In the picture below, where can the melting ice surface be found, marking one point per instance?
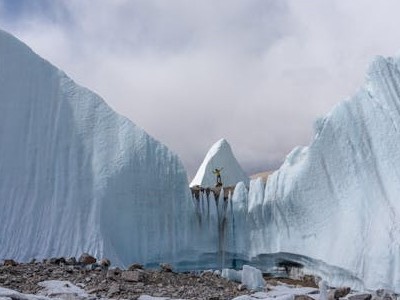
(76, 176)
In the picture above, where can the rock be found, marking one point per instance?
(10, 262)
(241, 287)
(54, 261)
(331, 295)
(113, 273)
(166, 267)
(360, 296)
(341, 292)
(71, 261)
(383, 294)
(114, 289)
(105, 263)
(133, 276)
(87, 259)
(95, 290)
(135, 266)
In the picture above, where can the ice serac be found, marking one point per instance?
(220, 156)
(337, 201)
(77, 177)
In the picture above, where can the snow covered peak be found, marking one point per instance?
(220, 156)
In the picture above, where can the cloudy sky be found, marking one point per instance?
(257, 72)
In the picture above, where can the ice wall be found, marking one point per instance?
(334, 205)
(338, 200)
(75, 176)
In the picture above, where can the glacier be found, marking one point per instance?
(338, 199)
(78, 177)
(333, 207)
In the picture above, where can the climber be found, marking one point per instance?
(217, 172)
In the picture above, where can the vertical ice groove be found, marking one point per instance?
(78, 177)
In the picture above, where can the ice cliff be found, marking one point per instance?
(77, 177)
(338, 200)
(220, 156)
(333, 207)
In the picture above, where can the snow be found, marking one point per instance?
(77, 177)
(264, 296)
(283, 292)
(56, 289)
(11, 294)
(219, 156)
(61, 289)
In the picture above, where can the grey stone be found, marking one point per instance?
(135, 266)
(341, 292)
(166, 267)
(71, 261)
(133, 276)
(361, 296)
(10, 262)
(114, 289)
(105, 262)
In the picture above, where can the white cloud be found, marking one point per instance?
(255, 72)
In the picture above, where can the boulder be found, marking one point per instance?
(10, 262)
(341, 292)
(87, 259)
(71, 261)
(113, 273)
(359, 296)
(133, 276)
(105, 263)
(166, 267)
(135, 266)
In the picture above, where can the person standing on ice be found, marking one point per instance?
(217, 173)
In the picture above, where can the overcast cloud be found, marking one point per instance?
(256, 72)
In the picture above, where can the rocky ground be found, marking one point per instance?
(102, 281)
